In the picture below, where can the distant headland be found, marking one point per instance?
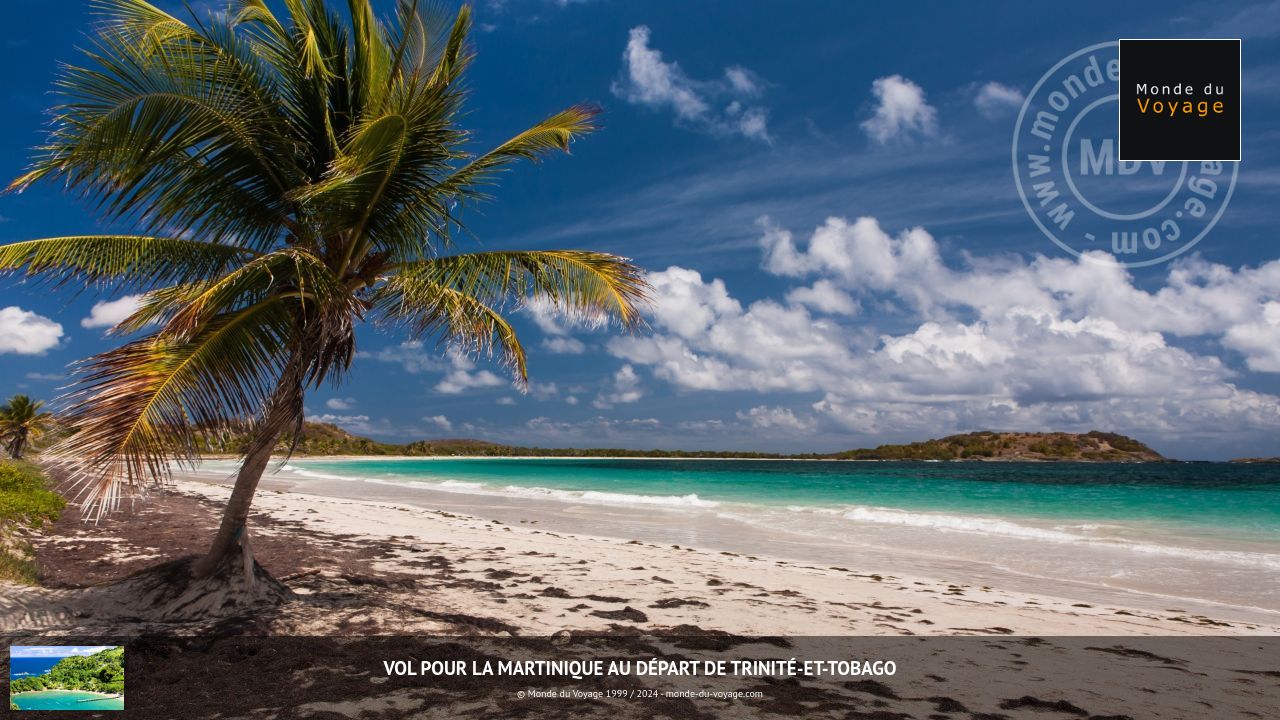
(320, 439)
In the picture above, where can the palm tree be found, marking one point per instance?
(21, 422)
(283, 181)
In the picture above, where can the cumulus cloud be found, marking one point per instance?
(440, 421)
(995, 101)
(340, 403)
(460, 371)
(411, 355)
(544, 391)
(764, 417)
(995, 342)
(23, 332)
(626, 389)
(901, 111)
(556, 324)
(353, 423)
(597, 430)
(1258, 339)
(824, 296)
(464, 376)
(111, 312)
(564, 346)
(720, 107)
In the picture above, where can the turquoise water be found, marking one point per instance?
(65, 700)
(1239, 502)
(1175, 533)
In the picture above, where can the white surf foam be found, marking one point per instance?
(594, 497)
(977, 525)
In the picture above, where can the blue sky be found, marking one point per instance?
(823, 196)
(26, 651)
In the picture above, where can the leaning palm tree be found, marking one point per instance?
(283, 178)
(21, 423)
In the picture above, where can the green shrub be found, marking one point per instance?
(25, 503)
(24, 499)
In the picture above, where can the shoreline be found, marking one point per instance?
(1151, 563)
(378, 565)
(375, 518)
(109, 696)
(1033, 461)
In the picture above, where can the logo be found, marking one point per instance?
(1080, 194)
(1180, 100)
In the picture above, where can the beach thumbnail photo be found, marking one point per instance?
(66, 677)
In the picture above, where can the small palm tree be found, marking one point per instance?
(285, 179)
(21, 423)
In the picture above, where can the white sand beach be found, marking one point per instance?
(542, 579)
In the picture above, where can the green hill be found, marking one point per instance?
(988, 445)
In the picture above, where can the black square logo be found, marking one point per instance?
(1179, 100)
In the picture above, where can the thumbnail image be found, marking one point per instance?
(66, 677)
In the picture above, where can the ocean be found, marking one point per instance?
(24, 666)
(1208, 531)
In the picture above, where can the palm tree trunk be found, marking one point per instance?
(281, 412)
(19, 444)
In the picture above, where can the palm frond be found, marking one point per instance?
(174, 129)
(579, 283)
(460, 297)
(289, 272)
(126, 261)
(555, 133)
(143, 405)
(455, 319)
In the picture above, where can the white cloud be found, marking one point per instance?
(556, 323)
(23, 332)
(411, 355)
(544, 391)
(775, 418)
(719, 107)
(1049, 343)
(626, 389)
(995, 101)
(110, 313)
(440, 421)
(824, 296)
(460, 372)
(595, 431)
(1258, 339)
(46, 377)
(901, 111)
(464, 376)
(506, 400)
(564, 346)
(742, 80)
(354, 423)
(340, 403)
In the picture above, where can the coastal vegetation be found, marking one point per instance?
(22, 421)
(26, 505)
(328, 439)
(1090, 446)
(101, 672)
(278, 180)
